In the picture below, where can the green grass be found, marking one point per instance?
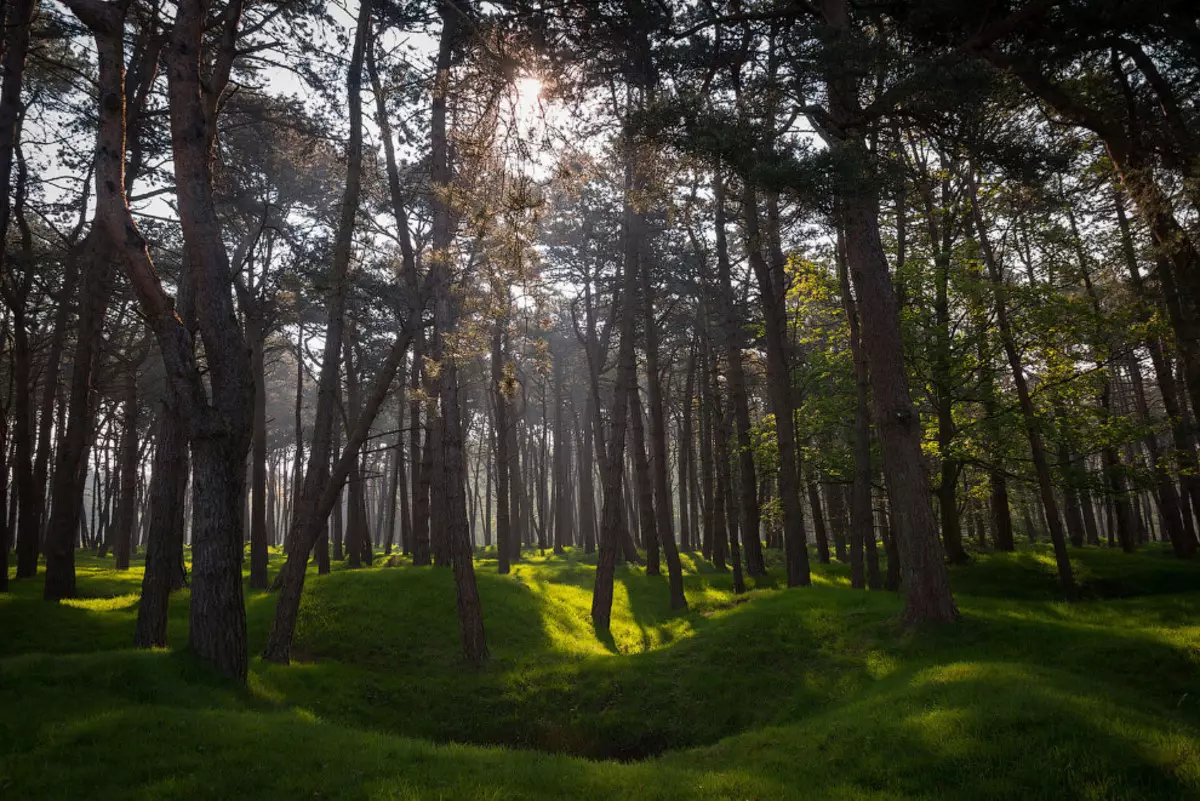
(812, 693)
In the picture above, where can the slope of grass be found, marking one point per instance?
(813, 693)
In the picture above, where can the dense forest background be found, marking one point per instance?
(772, 282)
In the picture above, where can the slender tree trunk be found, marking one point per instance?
(1041, 466)
(127, 505)
(862, 529)
(256, 333)
(612, 469)
(731, 330)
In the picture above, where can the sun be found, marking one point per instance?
(529, 89)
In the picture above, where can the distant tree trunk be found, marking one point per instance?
(707, 494)
(70, 462)
(500, 394)
(562, 462)
(5, 536)
(998, 508)
(862, 529)
(683, 455)
(127, 504)
(732, 334)
(836, 504)
(658, 447)
(421, 463)
(725, 495)
(1041, 467)
(612, 469)
(256, 333)
(818, 516)
(1184, 542)
(587, 489)
(647, 521)
(940, 230)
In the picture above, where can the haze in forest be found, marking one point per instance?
(599, 398)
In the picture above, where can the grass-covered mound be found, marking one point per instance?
(807, 693)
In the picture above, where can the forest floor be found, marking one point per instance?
(805, 693)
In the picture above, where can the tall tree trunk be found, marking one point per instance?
(647, 521)
(658, 447)
(612, 469)
(925, 579)
(1041, 466)
(256, 333)
(862, 528)
(501, 391)
(127, 504)
(773, 286)
(70, 462)
(732, 334)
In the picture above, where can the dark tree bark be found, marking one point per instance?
(457, 533)
(862, 529)
(127, 504)
(501, 390)
(658, 448)
(731, 337)
(647, 521)
(612, 469)
(926, 582)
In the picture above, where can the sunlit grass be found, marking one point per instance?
(813, 693)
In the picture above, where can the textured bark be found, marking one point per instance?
(925, 579)
(164, 541)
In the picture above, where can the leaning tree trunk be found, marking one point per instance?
(1041, 466)
(321, 489)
